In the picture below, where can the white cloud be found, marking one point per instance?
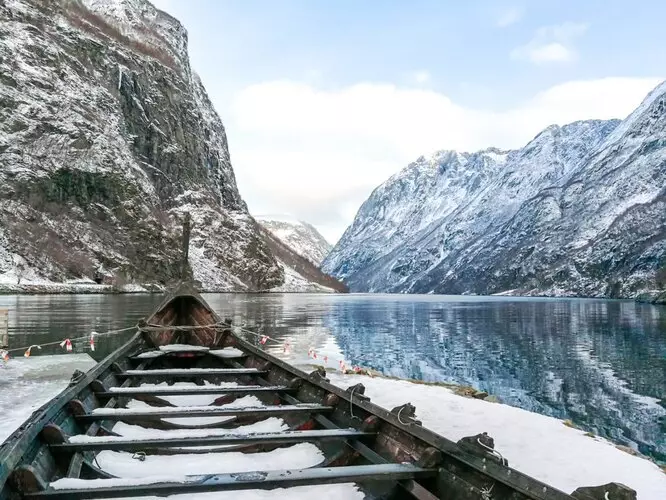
(421, 77)
(510, 16)
(551, 44)
(319, 153)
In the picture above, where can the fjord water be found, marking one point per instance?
(600, 363)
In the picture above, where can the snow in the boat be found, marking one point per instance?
(207, 399)
(244, 403)
(183, 348)
(190, 371)
(298, 456)
(164, 387)
(188, 399)
(130, 431)
(149, 355)
(227, 352)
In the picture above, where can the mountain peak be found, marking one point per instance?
(302, 237)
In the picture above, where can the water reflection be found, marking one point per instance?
(599, 363)
(48, 318)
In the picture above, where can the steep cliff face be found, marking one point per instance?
(106, 139)
(302, 237)
(577, 211)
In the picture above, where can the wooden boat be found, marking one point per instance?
(185, 349)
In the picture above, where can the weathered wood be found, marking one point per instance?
(612, 491)
(482, 445)
(265, 480)
(27, 480)
(75, 464)
(230, 439)
(204, 411)
(53, 434)
(193, 372)
(190, 391)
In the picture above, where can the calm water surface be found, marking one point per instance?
(600, 363)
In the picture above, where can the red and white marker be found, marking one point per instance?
(92, 341)
(29, 351)
(67, 344)
(4, 355)
(263, 339)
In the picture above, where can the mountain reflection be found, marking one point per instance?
(590, 361)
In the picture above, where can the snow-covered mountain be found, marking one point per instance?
(106, 139)
(580, 210)
(302, 237)
(301, 274)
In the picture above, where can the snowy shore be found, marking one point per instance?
(535, 444)
(291, 285)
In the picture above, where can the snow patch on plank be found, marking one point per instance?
(298, 456)
(227, 352)
(183, 348)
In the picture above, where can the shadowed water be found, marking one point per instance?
(600, 363)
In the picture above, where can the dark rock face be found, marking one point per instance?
(580, 210)
(106, 139)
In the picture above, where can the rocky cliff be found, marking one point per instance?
(580, 210)
(106, 138)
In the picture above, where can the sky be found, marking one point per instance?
(323, 101)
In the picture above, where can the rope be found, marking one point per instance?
(351, 402)
(58, 342)
(491, 450)
(400, 420)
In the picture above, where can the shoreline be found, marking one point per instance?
(470, 392)
(87, 288)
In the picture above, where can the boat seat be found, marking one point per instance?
(241, 390)
(127, 487)
(129, 415)
(116, 443)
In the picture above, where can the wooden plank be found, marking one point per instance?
(265, 480)
(180, 391)
(191, 372)
(227, 439)
(203, 411)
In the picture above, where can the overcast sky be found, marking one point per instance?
(324, 100)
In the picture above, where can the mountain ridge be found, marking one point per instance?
(301, 236)
(471, 223)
